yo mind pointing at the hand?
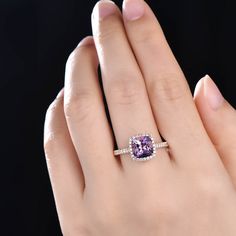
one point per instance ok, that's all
(186, 191)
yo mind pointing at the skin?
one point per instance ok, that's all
(188, 190)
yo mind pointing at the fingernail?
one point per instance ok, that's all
(103, 9)
(212, 93)
(86, 41)
(133, 9)
(198, 87)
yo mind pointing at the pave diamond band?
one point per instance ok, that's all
(141, 147)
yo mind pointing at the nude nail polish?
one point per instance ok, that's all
(103, 9)
(212, 93)
(133, 9)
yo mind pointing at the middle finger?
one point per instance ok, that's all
(123, 84)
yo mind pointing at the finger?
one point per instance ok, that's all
(219, 119)
(85, 114)
(124, 87)
(63, 164)
(175, 112)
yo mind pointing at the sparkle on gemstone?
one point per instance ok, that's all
(142, 146)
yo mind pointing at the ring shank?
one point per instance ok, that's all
(121, 151)
(161, 145)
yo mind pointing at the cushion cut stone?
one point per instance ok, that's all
(142, 146)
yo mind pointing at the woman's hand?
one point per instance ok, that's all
(184, 191)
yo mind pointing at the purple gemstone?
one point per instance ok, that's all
(142, 146)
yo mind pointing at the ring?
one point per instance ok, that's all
(141, 147)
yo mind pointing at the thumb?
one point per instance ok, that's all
(219, 119)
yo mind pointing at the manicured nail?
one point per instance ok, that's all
(133, 9)
(102, 9)
(86, 41)
(212, 93)
(198, 87)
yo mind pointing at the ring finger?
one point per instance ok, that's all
(123, 84)
(168, 90)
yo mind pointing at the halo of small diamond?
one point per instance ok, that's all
(142, 158)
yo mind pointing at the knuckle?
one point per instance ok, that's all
(168, 87)
(152, 43)
(79, 105)
(108, 32)
(125, 90)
